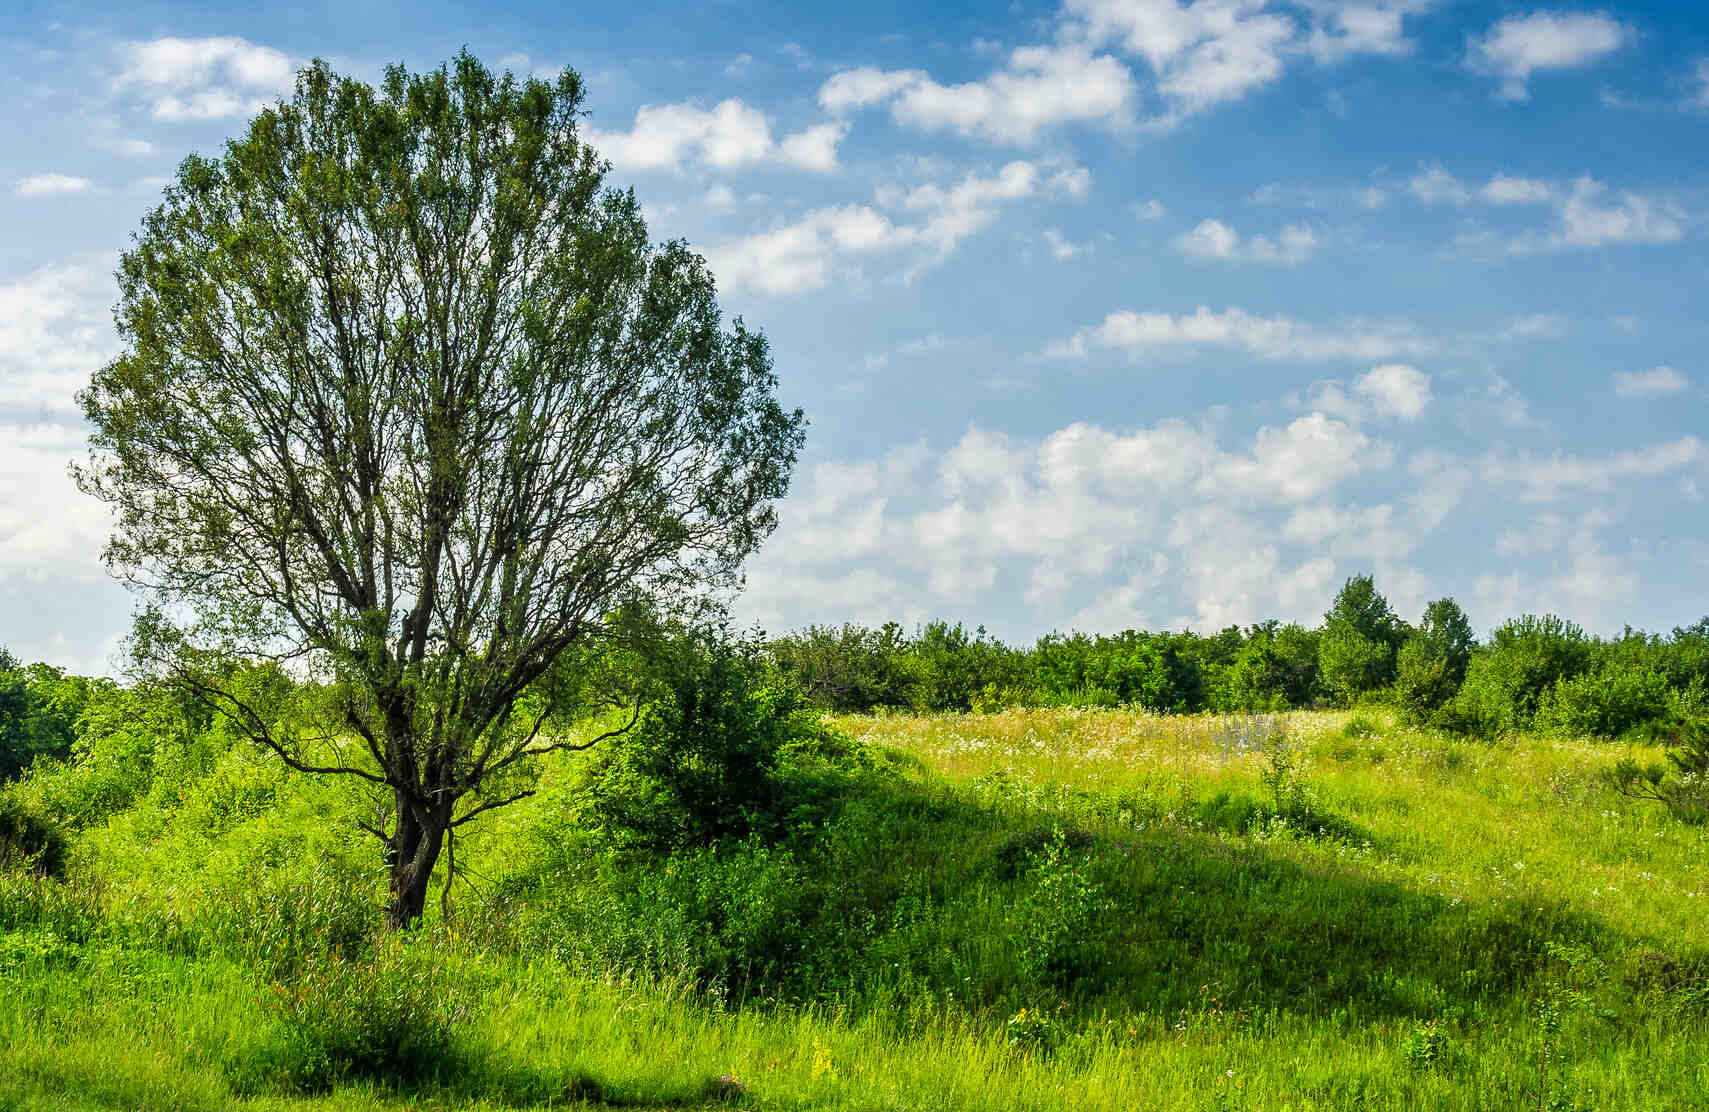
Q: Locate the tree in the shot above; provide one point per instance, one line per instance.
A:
(1432, 663)
(1361, 636)
(409, 403)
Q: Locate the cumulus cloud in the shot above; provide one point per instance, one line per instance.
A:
(205, 78)
(1546, 478)
(728, 136)
(1186, 525)
(1393, 390)
(1519, 46)
(1199, 54)
(54, 332)
(1278, 337)
(1654, 383)
(1040, 87)
(1592, 215)
(48, 185)
(1587, 212)
(1061, 247)
(1436, 186)
(931, 220)
(1504, 190)
(1212, 239)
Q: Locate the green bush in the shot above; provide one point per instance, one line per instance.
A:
(29, 842)
(1061, 924)
(392, 1019)
(1506, 683)
(1681, 785)
(849, 669)
(1609, 703)
(701, 763)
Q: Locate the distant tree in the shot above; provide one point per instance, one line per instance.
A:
(1360, 639)
(39, 707)
(1432, 662)
(409, 398)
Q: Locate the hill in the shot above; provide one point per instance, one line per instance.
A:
(1031, 909)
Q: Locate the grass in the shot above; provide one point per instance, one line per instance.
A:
(1030, 910)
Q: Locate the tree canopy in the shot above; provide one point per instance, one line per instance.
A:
(408, 400)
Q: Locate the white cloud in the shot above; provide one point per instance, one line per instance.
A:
(728, 136)
(1587, 213)
(933, 221)
(1590, 218)
(1367, 197)
(1199, 54)
(1149, 211)
(1436, 186)
(1535, 326)
(1061, 248)
(1698, 94)
(48, 185)
(1300, 461)
(1349, 27)
(1040, 87)
(1654, 383)
(1584, 580)
(1165, 510)
(739, 65)
(1212, 239)
(128, 146)
(798, 257)
(207, 78)
(1393, 390)
(1544, 478)
(1266, 337)
(1210, 52)
(1518, 46)
(814, 148)
(1504, 190)
(54, 332)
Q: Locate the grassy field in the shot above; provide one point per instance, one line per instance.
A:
(1028, 910)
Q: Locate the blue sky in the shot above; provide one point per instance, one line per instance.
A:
(1107, 313)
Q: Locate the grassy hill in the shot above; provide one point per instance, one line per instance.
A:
(1100, 909)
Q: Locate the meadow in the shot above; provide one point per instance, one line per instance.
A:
(1026, 909)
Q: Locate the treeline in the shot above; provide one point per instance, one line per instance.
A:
(1533, 673)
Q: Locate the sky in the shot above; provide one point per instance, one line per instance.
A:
(1106, 314)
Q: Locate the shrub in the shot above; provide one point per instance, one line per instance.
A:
(1506, 683)
(1610, 703)
(1681, 785)
(29, 842)
(701, 763)
(848, 670)
(1061, 924)
(390, 1019)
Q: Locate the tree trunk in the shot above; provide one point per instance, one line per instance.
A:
(413, 852)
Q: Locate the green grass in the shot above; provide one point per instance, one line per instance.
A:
(1356, 918)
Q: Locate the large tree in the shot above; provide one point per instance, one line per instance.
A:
(409, 399)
